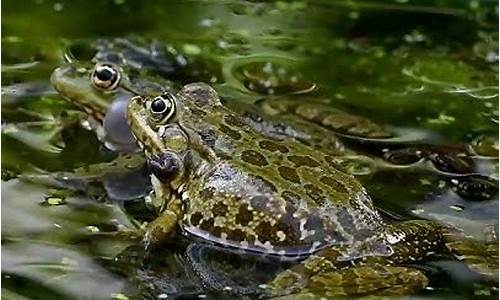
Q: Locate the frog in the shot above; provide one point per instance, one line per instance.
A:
(225, 182)
(101, 91)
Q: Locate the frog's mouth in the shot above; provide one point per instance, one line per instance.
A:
(73, 83)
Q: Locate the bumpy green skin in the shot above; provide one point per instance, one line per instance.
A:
(236, 186)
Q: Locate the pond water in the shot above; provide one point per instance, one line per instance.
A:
(426, 69)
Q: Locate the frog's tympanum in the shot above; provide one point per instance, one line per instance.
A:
(225, 182)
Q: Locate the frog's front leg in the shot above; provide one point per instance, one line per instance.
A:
(164, 168)
(328, 273)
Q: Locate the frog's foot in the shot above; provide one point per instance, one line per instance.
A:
(479, 256)
(359, 281)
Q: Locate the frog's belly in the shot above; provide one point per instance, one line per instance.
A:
(292, 251)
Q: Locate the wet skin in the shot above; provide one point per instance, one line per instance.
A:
(226, 182)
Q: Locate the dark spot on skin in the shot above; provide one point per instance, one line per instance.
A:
(244, 215)
(219, 209)
(233, 134)
(207, 193)
(209, 137)
(264, 231)
(292, 238)
(236, 235)
(217, 231)
(272, 146)
(300, 160)
(207, 225)
(315, 193)
(290, 197)
(196, 218)
(232, 120)
(333, 183)
(267, 183)
(289, 174)
(330, 160)
(254, 158)
(224, 156)
(197, 112)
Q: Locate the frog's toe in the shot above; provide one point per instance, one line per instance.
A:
(354, 281)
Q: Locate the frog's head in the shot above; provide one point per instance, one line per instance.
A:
(163, 123)
(90, 87)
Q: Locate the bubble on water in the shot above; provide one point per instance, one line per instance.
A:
(58, 7)
(457, 207)
(209, 22)
(354, 15)
(414, 37)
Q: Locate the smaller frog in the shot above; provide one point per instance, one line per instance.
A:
(102, 91)
(225, 182)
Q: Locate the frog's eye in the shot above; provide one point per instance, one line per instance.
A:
(105, 77)
(162, 107)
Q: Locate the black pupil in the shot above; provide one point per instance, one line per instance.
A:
(158, 106)
(104, 74)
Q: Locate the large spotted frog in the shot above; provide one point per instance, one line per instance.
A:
(226, 182)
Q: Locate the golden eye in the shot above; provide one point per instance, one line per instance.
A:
(105, 77)
(162, 107)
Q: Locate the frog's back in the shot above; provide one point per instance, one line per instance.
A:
(269, 195)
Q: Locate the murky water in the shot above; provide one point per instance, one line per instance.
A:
(429, 70)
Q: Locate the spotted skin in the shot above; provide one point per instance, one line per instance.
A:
(277, 196)
(237, 182)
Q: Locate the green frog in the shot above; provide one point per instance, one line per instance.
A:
(102, 91)
(226, 182)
